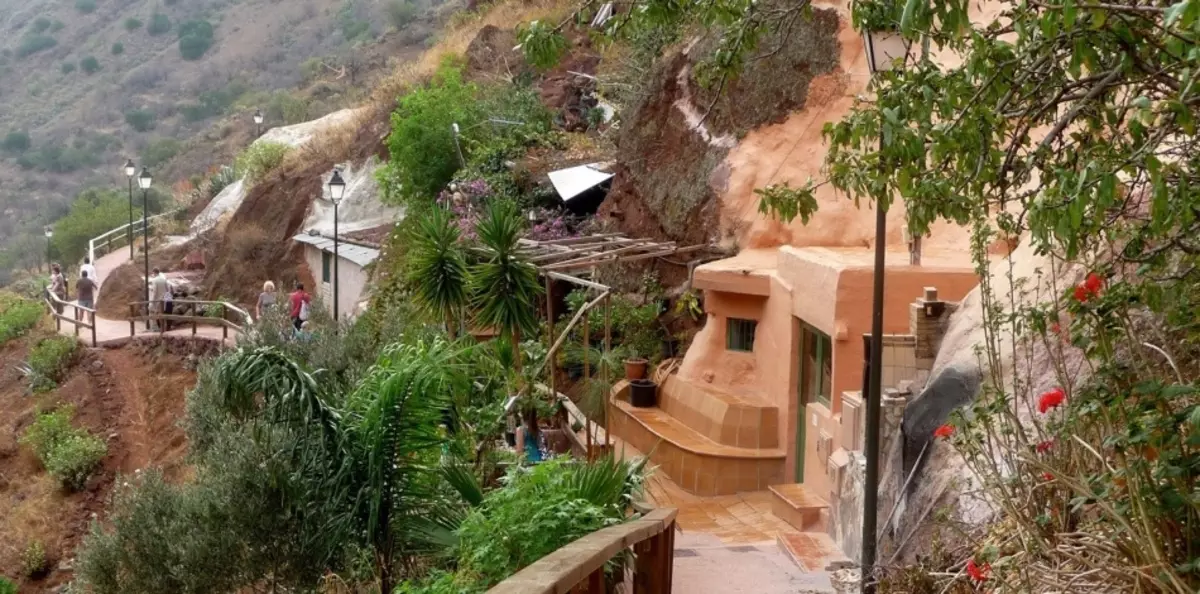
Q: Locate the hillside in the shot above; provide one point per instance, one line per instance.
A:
(87, 84)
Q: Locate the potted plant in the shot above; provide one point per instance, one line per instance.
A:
(635, 365)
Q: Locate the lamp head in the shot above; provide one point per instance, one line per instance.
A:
(337, 187)
(145, 179)
(130, 168)
(886, 50)
(49, 231)
(258, 116)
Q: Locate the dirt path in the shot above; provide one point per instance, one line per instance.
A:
(109, 331)
(132, 398)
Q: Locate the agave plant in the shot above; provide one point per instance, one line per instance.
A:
(438, 273)
(505, 285)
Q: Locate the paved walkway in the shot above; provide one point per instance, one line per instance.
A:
(108, 330)
(734, 544)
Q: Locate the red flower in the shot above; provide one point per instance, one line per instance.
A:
(1055, 328)
(1045, 446)
(1050, 400)
(1046, 476)
(1081, 294)
(978, 571)
(1090, 288)
(944, 432)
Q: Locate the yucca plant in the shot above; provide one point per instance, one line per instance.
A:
(438, 273)
(505, 285)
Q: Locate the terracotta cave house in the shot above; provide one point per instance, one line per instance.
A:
(769, 394)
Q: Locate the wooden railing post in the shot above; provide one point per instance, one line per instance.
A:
(224, 326)
(132, 315)
(93, 329)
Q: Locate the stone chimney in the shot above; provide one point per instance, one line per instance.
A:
(928, 320)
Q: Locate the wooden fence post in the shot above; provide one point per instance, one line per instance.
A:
(224, 325)
(132, 309)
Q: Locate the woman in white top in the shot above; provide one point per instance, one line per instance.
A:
(266, 299)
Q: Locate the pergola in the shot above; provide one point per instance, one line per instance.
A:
(574, 260)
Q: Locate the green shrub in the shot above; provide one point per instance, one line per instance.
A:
(160, 151)
(89, 64)
(17, 315)
(195, 37)
(74, 458)
(7, 587)
(69, 454)
(85, 6)
(31, 44)
(51, 359)
(132, 24)
(159, 24)
(118, 48)
(401, 13)
(16, 141)
(33, 560)
(41, 25)
(142, 120)
(260, 159)
(67, 67)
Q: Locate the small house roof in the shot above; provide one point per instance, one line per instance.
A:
(573, 181)
(358, 254)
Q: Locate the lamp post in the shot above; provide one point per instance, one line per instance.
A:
(885, 49)
(144, 183)
(456, 130)
(130, 171)
(258, 120)
(49, 231)
(337, 190)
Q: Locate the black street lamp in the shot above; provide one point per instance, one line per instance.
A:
(886, 50)
(337, 190)
(258, 120)
(130, 171)
(144, 183)
(49, 231)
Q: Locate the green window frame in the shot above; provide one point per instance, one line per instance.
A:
(739, 334)
(326, 264)
(815, 381)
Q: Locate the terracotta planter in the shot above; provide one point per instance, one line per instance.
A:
(635, 368)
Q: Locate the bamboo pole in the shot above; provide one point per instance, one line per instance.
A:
(587, 376)
(607, 353)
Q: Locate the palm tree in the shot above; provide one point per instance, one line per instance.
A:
(505, 285)
(438, 271)
(372, 462)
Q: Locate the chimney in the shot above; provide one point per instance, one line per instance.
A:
(928, 320)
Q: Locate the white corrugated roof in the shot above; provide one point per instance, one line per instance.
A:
(573, 181)
(348, 251)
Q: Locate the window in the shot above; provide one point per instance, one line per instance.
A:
(739, 334)
(816, 366)
(326, 264)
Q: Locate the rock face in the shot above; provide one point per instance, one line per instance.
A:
(361, 207)
(940, 477)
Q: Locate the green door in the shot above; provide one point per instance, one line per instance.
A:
(812, 383)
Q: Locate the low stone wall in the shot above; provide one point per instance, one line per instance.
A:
(183, 346)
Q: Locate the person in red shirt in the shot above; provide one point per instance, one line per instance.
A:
(300, 302)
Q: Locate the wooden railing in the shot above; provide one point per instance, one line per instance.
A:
(55, 304)
(115, 238)
(138, 309)
(579, 566)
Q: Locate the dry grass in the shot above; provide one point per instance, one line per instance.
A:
(336, 143)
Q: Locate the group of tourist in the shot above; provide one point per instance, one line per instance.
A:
(85, 289)
(299, 303)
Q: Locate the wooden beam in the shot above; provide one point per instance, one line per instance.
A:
(609, 255)
(571, 279)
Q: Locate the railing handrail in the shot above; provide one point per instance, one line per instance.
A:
(248, 320)
(50, 299)
(585, 558)
(95, 240)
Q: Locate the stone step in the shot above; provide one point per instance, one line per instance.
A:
(798, 506)
(812, 551)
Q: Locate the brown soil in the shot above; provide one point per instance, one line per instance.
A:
(133, 397)
(258, 238)
(490, 56)
(124, 284)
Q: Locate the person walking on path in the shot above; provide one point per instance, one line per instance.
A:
(266, 300)
(158, 293)
(88, 270)
(300, 302)
(58, 287)
(85, 296)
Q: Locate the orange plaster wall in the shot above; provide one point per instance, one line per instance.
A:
(732, 371)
